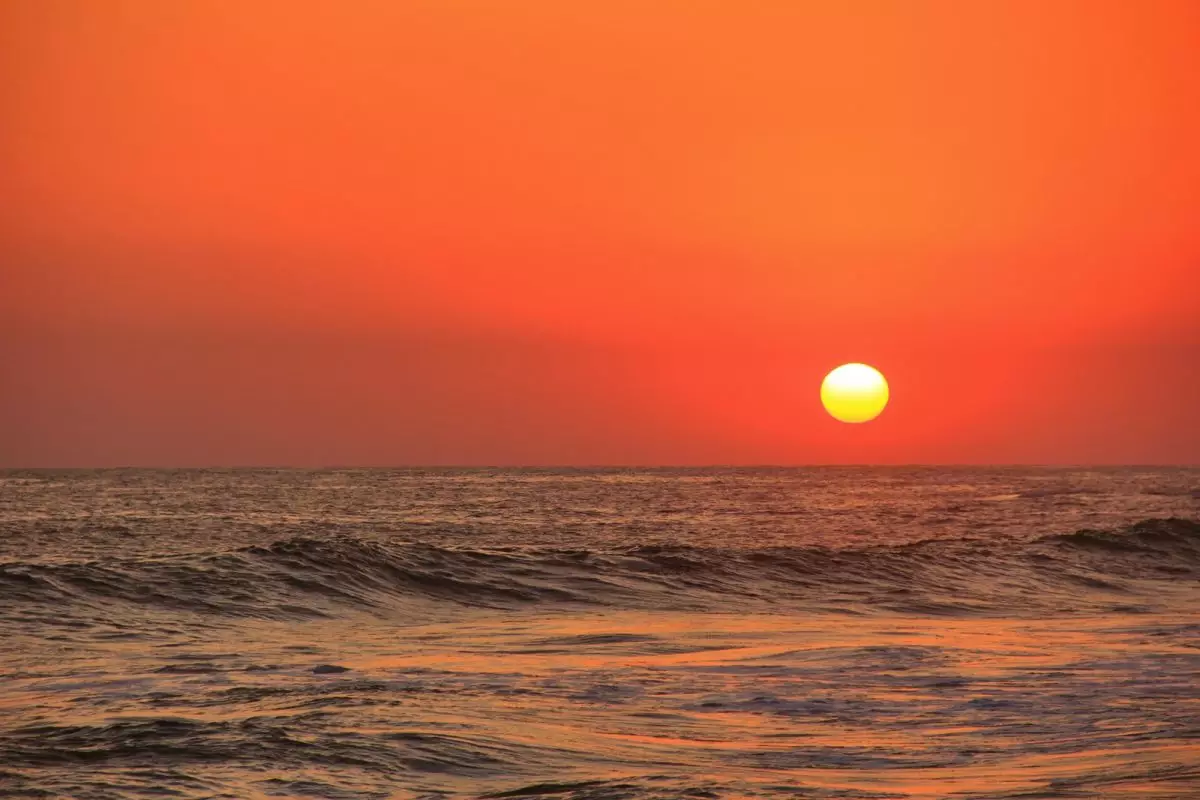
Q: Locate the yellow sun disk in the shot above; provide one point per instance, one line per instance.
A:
(854, 393)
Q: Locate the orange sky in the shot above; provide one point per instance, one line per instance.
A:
(534, 231)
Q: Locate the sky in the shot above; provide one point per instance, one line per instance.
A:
(440, 232)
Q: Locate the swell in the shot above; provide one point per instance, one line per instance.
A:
(317, 577)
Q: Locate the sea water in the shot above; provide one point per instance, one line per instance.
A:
(666, 633)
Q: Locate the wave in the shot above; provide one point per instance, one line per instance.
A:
(306, 577)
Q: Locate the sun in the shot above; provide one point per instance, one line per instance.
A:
(854, 393)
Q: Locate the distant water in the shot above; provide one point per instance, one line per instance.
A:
(601, 634)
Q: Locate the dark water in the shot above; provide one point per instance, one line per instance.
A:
(808, 633)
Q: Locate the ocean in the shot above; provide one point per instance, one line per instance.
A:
(601, 634)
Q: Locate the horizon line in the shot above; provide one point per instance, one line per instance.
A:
(605, 466)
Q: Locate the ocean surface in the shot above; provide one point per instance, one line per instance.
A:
(600, 634)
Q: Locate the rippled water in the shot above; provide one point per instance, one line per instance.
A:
(836, 632)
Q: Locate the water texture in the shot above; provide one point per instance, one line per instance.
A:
(703, 633)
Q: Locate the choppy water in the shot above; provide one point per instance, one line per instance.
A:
(808, 633)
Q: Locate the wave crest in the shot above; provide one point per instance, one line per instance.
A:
(315, 577)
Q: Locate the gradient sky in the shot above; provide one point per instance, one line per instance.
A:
(546, 232)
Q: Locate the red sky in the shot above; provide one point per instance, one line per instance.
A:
(545, 232)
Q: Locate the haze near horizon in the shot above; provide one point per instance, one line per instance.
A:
(534, 233)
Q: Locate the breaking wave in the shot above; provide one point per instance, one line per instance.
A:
(324, 577)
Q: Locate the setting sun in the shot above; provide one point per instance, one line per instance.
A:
(854, 393)
(448, 368)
